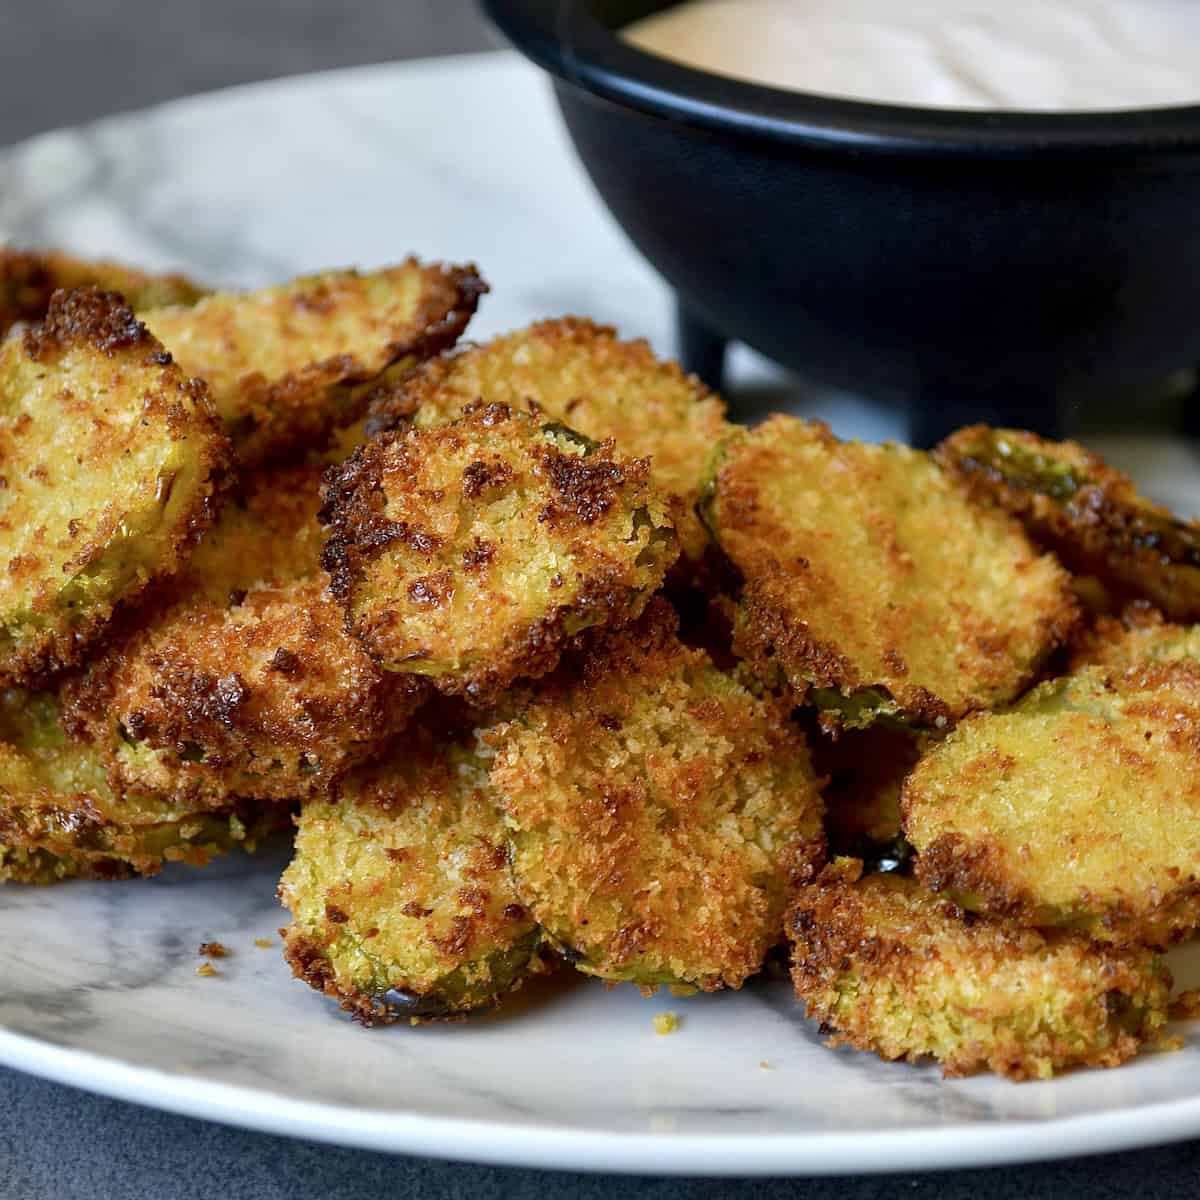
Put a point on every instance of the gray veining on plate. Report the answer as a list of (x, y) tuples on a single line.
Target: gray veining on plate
[(462, 162)]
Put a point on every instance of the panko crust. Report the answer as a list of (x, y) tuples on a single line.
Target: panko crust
[(1077, 807), (241, 679), (112, 466), (28, 278), (1139, 635), (871, 585), (888, 967), (60, 820), (659, 811), (1087, 512), (474, 553), (286, 365), (578, 372), (400, 889)]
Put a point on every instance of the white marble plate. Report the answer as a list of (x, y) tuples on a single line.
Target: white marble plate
[(460, 159)]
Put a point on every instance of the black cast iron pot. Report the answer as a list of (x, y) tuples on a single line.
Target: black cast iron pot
[(978, 266)]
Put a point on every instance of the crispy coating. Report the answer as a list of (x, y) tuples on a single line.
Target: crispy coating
[(580, 373), (400, 890), (863, 771), (659, 811), (1140, 635), (110, 461), (474, 552), (1088, 513), (871, 586), (28, 278), (241, 679), (59, 819), (286, 364), (890, 968), (1079, 807)]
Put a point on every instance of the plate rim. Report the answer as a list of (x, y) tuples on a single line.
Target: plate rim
[(514, 1144), (501, 1142)]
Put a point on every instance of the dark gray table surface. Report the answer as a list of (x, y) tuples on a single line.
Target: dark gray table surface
[(66, 61)]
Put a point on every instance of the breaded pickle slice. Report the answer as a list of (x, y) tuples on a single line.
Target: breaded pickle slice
[(59, 819), (28, 278), (400, 890), (659, 811), (1088, 513), (473, 552), (242, 679), (871, 585), (582, 374), (285, 364), (108, 462), (1140, 635), (1079, 806), (888, 967)]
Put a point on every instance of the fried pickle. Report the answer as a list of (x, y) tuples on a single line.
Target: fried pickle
[(474, 552), (1078, 807), (888, 967), (28, 278), (1139, 635), (575, 371), (400, 890), (111, 462), (59, 819), (659, 811), (285, 365), (241, 679), (1088, 513), (871, 586)]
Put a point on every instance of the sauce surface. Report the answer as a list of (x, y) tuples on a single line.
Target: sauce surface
[(1032, 55)]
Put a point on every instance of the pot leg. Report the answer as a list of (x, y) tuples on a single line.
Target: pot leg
[(937, 413), (701, 348)]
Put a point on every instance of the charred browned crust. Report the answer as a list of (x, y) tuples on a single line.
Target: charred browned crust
[(627, 777), (310, 965), (28, 279), (239, 677), (90, 318), (888, 968), (284, 419), (853, 586), (579, 492), (1103, 529)]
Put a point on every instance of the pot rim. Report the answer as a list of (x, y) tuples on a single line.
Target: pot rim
[(567, 39)]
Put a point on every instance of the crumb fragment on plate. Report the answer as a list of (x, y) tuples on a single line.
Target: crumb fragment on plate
[(206, 970), (665, 1022), (213, 950)]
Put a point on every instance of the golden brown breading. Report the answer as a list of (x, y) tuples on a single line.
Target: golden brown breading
[(659, 811), (286, 364), (1139, 635), (59, 819), (1089, 514), (242, 679), (580, 373), (890, 968), (28, 278), (474, 552), (400, 888), (110, 461), (872, 587), (1080, 806)]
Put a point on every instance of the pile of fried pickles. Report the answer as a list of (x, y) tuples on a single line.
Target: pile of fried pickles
[(549, 663)]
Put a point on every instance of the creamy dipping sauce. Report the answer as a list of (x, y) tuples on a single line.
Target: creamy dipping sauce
[(1035, 55)]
